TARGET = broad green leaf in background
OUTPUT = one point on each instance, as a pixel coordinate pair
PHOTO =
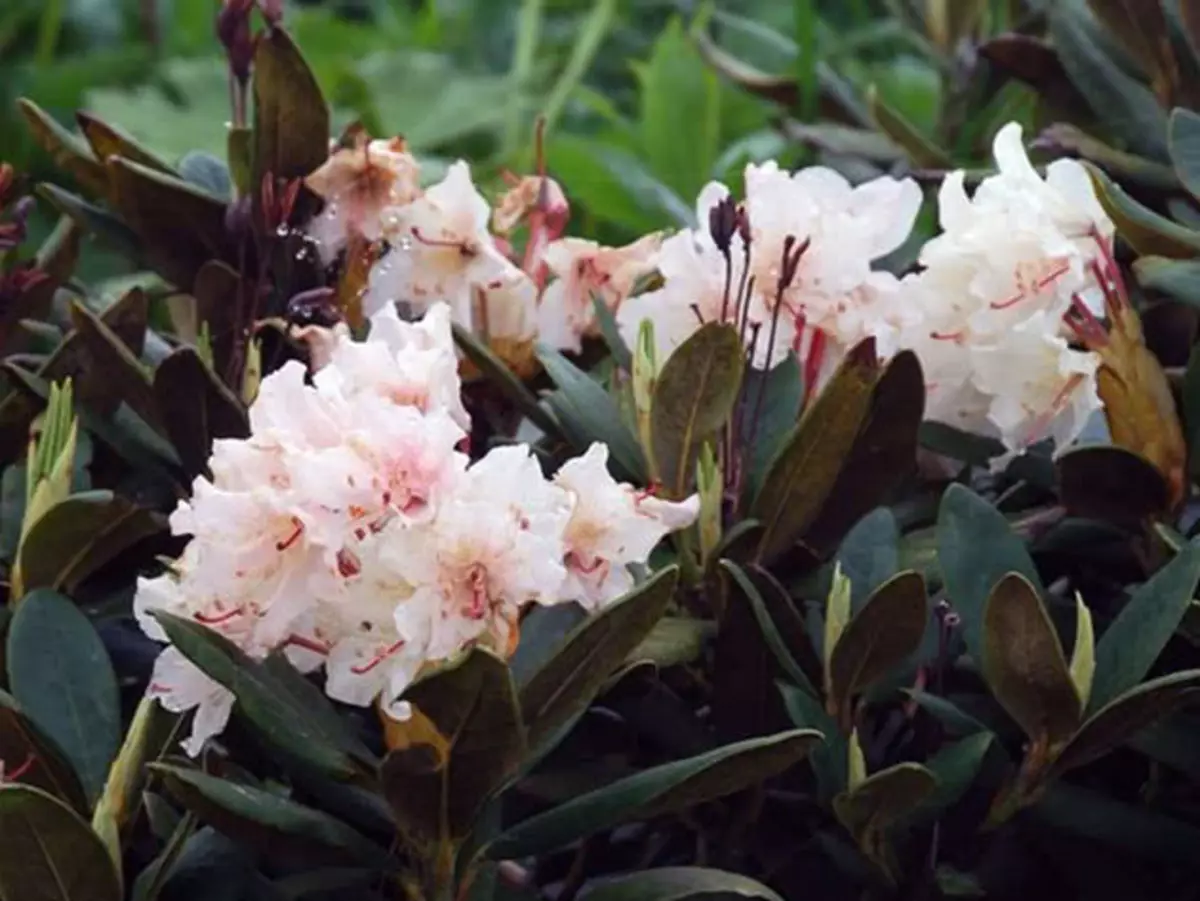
(870, 554)
(61, 676)
(49, 853)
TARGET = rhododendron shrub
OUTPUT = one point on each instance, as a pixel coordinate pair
(400, 534)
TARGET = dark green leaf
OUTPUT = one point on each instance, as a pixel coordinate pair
(1133, 641)
(566, 683)
(495, 370)
(107, 228)
(473, 706)
(587, 413)
(674, 640)
(611, 333)
(693, 398)
(286, 721)
(61, 676)
(1122, 718)
(22, 741)
(291, 118)
(956, 721)
(49, 853)
(884, 797)
(803, 474)
(195, 407)
(870, 554)
(1145, 230)
(976, 547)
(269, 822)
(774, 640)
(124, 376)
(881, 636)
(656, 791)
(771, 407)
(1179, 279)
(955, 768)
(679, 884)
(1112, 484)
(1024, 665)
(78, 536)
(829, 758)
(1183, 139)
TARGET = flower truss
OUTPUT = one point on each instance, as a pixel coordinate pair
(351, 532)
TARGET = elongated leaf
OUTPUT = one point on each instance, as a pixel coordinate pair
(78, 536)
(291, 723)
(1024, 665)
(881, 636)
(1179, 279)
(61, 676)
(802, 476)
(1146, 231)
(1133, 641)
(499, 374)
(976, 548)
(884, 797)
(108, 229)
(1121, 719)
(195, 407)
(267, 821)
(566, 683)
(587, 413)
(656, 791)
(771, 405)
(49, 853)
(124, 374)
(107, 140)
(1183, 139)
(771, 636)
(955, 768)
(291, 118)
(21, 742)
(693, 398)
(830, 757)
(68, 152)
(919, 148)
(678, 884)
(472, 705)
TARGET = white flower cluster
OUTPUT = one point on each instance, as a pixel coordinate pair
(1019, 267)
(350, 532)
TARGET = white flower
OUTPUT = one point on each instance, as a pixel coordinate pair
(441, 251)
(365, 189)
(585, 269)
(494, 546)
(179, 686)
(612, 525)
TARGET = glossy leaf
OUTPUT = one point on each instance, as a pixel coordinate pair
(506, 381)
(679, 884)
(976, 548)
(61, 676)
(1145, 230)
(1132, 642)
(300, 725)
(291, 118)
(437, 784)
(195, 407)
(268, 821)
(803, 474)
(80, 535)
(881, 636)
(1024, 666)
(1122, 718)
(21, 740)
(870, 554)
(49, 853)
(656, 791)
(694, 397)
(566, 683)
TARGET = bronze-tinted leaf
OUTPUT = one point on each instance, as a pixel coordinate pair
(1121, 719)
(881, 636)
(49, 853)
(565, 685)
(67, 151)
(107, 140)
(220, 292)
(878, 802)
(1024, 665)
(291, 118)
(472, 704)
(803, 474)
(180, 227)
(883, 455)
(195, 407)
(1112, 484)
(693, 398)
(77, 537)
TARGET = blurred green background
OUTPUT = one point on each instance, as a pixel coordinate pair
(637, 121)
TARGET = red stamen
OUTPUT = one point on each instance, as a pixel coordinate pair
(377, 659)
(218, 620)
(1038, 285)
(813, 362)
(298, 530)
(1085, 324)
(309, 644)
(946, 336)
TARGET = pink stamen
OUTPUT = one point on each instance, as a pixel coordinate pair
(946, 336)
(1038, 285)
(309, 644)
(434, 242)
(1085, 324)
(219, 619)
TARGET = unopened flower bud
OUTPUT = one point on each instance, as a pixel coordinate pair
(272, 11)
(722, 223)
(233, 31)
